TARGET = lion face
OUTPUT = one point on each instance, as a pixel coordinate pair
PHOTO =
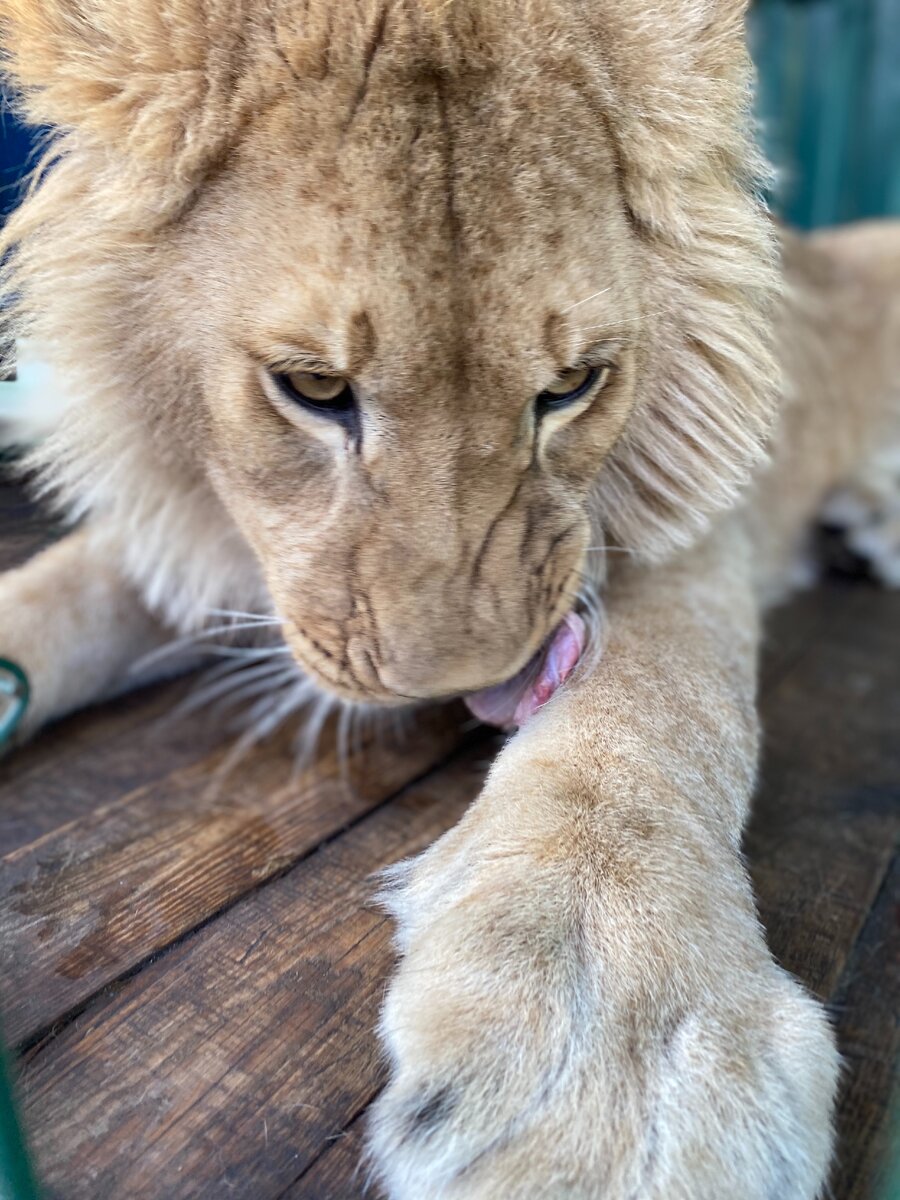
(428, 299)
(410, 389)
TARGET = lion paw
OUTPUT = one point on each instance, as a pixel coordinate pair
(528, 1063)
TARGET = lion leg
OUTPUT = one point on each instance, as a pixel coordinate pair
(585, 1005)
(70, 630)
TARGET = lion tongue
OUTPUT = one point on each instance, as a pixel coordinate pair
(511, 704)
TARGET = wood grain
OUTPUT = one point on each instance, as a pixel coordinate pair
(865, 1011)
(824, 832)
(224, 1067)
(340, 1171)
(827, 817)
(89, 901)
(93, 759)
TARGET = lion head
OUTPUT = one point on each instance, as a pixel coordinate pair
(389, 313)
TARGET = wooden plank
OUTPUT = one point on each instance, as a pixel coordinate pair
(824, 830)
(91, 900)
(340, 1171)
(864, 1008)
(222, 1068)
(91, 759)
(826, 818)
(788, 633)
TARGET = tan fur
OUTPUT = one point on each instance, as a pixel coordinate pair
(450, 202)
(392, 138)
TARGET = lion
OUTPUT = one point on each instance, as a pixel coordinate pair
(431, 331)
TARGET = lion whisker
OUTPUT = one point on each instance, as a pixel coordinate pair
(231, 686)
(594, 614)
(292, 699)
(190, 641)
(255, 618)
(246, 653)
(586, 300)
(306, 742)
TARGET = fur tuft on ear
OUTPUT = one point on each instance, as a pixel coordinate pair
(165, 83)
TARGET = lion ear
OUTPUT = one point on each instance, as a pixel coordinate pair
(159, 80)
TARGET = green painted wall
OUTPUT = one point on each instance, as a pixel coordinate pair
(829, 103)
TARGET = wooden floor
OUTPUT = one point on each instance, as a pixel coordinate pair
(192, 973)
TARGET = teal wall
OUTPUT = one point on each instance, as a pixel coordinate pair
(829, 104)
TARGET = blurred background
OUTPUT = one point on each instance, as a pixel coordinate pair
(829, 107)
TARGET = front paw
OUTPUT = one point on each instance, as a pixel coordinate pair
(547, 1042)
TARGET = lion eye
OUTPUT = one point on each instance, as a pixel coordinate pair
(329, 395)
(571, 386)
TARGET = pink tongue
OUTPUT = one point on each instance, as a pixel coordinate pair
(511, 704)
